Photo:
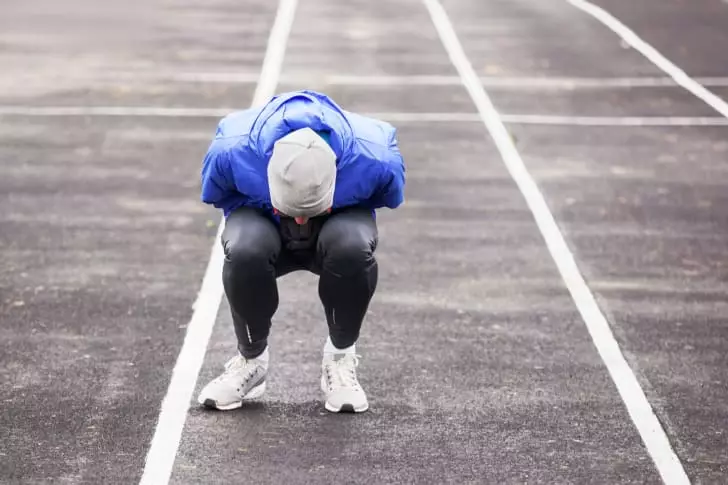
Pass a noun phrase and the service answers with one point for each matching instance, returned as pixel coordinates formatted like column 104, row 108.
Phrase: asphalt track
column 478, row 365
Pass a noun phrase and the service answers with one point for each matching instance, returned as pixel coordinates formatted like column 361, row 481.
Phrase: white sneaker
column 242, row 380
column 340, row 385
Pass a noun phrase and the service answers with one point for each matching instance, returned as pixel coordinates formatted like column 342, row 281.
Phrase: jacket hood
column 288, row 112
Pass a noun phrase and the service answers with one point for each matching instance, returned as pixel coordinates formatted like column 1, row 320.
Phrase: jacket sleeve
column 216, row 177
column 390, row 192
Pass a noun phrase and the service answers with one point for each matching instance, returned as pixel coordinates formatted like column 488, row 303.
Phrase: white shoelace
column 235, row 364
column 237, row 361
column 341, row 374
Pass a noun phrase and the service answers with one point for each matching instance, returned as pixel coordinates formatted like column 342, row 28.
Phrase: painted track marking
column 653, row 55
column 165, row 442
column 401, row 117
column 653, row 435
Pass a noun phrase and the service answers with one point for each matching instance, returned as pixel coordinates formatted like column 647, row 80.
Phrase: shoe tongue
column 338, row 357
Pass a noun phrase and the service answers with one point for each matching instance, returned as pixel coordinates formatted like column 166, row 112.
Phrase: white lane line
column 535, row 119
column 295, row 80
column 123, row 111
column 214, row 77
column 590, row 82
column 557, row 120
column 394, row 117
column 652, row 55
column 304, row 78
column 508, row 82
column 163, row 449
column 649, row 427
column 400, row 117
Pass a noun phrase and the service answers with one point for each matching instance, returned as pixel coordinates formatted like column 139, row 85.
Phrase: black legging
column 338, row 247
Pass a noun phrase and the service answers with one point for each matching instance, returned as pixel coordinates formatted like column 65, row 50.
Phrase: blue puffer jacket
column 370, row 169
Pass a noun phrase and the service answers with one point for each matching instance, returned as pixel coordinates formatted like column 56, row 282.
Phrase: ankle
column 330, row 348
column 264, row 356
column 261, row 358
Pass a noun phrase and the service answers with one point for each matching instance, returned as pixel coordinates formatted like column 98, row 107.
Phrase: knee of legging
column 348, row 256
column 248, row 254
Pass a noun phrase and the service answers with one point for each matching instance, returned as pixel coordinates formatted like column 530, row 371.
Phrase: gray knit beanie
column 302, row 174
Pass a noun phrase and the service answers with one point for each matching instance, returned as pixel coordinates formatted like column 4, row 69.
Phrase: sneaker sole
column 346, row 408
column 254, row 393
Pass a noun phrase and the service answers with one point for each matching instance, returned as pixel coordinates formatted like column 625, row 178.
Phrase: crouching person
column 299, row 180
